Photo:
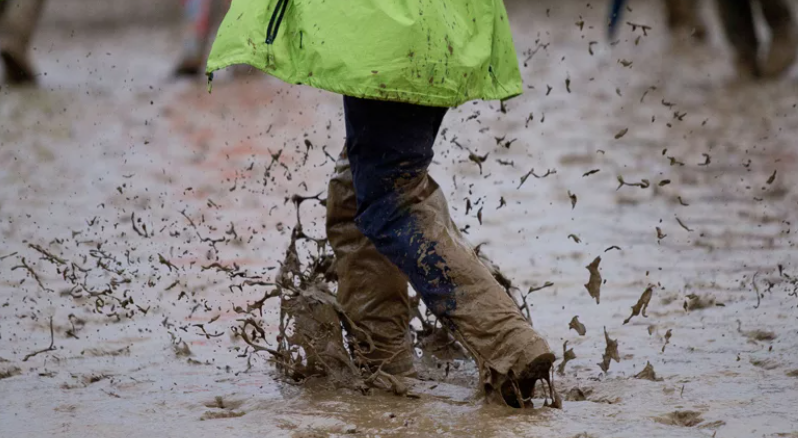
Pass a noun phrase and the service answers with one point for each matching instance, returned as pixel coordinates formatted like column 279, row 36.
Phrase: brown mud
column 153, row 218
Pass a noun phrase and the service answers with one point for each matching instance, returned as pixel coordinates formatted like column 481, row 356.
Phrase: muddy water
column 98, row 144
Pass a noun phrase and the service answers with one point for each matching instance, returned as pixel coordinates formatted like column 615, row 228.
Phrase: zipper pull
column 274, row 22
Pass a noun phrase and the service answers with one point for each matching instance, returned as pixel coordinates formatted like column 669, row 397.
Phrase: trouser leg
column 402, row 210
column 782, row 51
column 738, row 25
column 371, row 289
column 17, row 25
column 198, row 20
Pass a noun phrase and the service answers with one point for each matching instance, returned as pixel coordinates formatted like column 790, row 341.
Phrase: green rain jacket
column 426, row 52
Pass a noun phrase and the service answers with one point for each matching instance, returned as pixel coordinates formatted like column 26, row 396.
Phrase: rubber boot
column 509, row 352
column 782, row 52
column 738, row 25
column 404, row 213
column 371, row 289
column 17, row 25
column 684, row 15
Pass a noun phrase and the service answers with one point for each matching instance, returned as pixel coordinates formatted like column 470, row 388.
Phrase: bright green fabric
column 426, row 52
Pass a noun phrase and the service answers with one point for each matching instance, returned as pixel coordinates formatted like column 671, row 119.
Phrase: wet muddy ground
column 137, row 184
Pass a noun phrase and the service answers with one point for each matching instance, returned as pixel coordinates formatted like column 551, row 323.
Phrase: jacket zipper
column 274, row 22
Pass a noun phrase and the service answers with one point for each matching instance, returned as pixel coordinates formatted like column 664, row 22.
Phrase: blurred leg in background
column 18, row 19
column 199, row 18
column 684, row 15
column 738, row 24
column 782, row 52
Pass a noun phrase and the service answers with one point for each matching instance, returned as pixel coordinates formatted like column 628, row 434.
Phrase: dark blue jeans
column 387, row 217
column 389, row 145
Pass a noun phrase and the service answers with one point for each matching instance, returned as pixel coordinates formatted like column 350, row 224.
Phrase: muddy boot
column 784, row 40
column 371, row 289
column 17, row 25
column 684, row 15
column 738, row 25
column 402, row 210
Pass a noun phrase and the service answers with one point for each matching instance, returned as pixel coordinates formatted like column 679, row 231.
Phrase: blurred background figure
column 738, row 23
column 200, row 17
column 18, row 19
column 737, row 18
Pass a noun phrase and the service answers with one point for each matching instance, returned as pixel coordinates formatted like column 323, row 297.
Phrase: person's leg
column 371, row 289
column 738, row 25
column 684, row 14
column 196, row 24
column 782, row 52
column 17, row 25
column 402, row 210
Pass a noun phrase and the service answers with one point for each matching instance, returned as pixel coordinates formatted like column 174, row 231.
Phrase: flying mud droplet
column 621, row 133
column 643, row 184
column 567, row 355
column 593, row 285
column 478, row 159
column 660, row 234
column 668, row 335
column 573, row 199
column 532, row 173
column 575, row 238
column 610, row 352
column 578, row 326
column 642, row 304
column 683, row 225
column 772, row 177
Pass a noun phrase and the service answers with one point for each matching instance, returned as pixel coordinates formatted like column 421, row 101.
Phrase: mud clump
column 766, row 364
column 761, row 335
column 7, row 371
column 577, row 394
column 697, row 302
column 215, row 415
column 220, row 403
column 680, row 418
column 756, row 335
column 101, row 352
column 648, row 373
